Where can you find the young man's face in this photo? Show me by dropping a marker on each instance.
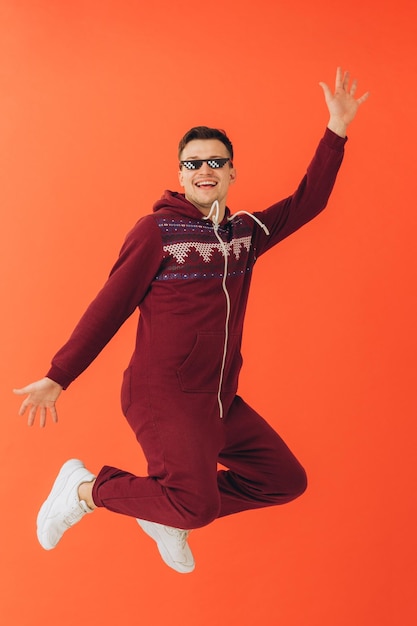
(205, 185)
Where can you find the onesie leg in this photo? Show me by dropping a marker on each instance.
(181, 448)
(262, 470)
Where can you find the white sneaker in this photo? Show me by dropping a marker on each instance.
(172, 545)
(62, 508)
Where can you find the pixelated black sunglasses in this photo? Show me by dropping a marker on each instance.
(195, 164)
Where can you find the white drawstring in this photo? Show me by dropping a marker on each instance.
(214, 214)
(257, 220)
(214, 207)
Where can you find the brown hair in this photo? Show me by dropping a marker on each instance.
(204, 132)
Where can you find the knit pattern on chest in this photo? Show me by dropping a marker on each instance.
(191, 249)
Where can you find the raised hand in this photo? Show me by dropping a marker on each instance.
(341, 103)
(41, 395)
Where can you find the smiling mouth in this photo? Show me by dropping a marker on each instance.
(206, 184)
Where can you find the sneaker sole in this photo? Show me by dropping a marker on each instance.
(152, 531)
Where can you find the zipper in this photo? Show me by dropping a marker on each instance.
(214, 216)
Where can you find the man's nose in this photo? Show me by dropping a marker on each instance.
(205, 168)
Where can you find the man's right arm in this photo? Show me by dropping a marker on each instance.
(129, 281)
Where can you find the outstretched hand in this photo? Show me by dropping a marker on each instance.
(341, 103)
(41, 395)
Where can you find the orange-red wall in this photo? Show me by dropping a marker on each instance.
(93, 99)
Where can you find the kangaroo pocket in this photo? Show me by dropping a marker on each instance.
(200, 372)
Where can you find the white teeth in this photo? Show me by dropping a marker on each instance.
(206, 182)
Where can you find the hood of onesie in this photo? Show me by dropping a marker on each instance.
(177, 202)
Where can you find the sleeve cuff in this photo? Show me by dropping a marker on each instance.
(334, 141)
(59, 376)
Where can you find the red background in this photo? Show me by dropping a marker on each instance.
(94, 97)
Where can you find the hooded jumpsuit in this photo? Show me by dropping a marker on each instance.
(179, 391)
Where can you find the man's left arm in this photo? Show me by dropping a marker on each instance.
(285, 217)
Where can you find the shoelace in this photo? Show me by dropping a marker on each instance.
(180, 535)
(75, 514)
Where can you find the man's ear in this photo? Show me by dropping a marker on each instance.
(180, 177)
